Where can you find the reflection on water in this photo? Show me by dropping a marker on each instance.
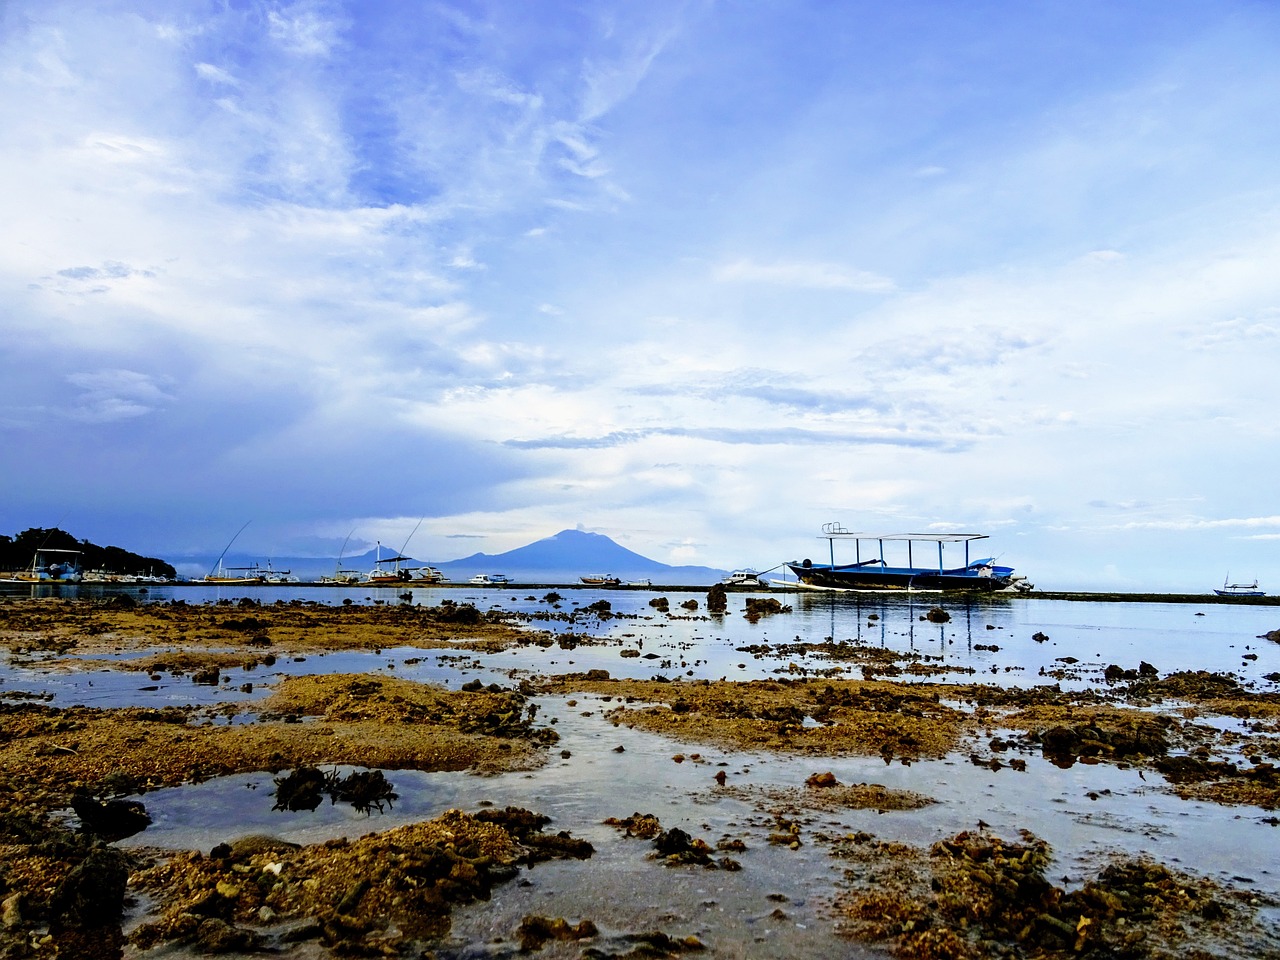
(988, 640)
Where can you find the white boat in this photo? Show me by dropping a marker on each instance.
(428, 575)
(1239, 589)
(744, 578)
(489, 579)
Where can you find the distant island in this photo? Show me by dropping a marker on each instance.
(17, 553)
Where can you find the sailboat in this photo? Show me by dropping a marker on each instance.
(230, 576)
(342, 577)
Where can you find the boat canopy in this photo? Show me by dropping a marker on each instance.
(831, 531)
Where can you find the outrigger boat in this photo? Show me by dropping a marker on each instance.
(393, 574)
(232, 576)
(235, 576)
(1240, 589)
(50, 565)
(601, 580)
(875, 573)
(429, 575)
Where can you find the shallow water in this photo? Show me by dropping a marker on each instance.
(622, 889)
(1172, 637)
(1085, 812)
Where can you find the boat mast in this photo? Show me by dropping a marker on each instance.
(218, 565)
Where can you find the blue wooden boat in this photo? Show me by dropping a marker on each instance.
(1239, 589)
(874, 572)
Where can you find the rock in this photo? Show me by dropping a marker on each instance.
(1039, 637)
(535, 931)
(717, 599)
(1060, 742)
(92, 894)
(827, 779)
(110, 819)
(218, 936)
(938, 615)
(11, 911)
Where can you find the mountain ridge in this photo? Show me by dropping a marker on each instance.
(560, 558)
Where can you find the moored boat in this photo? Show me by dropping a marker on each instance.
(50, 565)
(601, 580)
(395, 573)
(744, 578)
(489, 579)
(1239, 589)
(876, 573)
(234, 576)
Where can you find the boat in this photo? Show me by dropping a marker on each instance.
(875, 573)
(234, 576)
(342, 577)
(640, 583)
(50, 565)
(428, 575)
(743, 578)
(601, 580)
(489, 579)
(1240, 589)
(396, 573)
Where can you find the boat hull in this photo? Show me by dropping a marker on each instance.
(976, 578)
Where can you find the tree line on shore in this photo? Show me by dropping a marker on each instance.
(17, 552)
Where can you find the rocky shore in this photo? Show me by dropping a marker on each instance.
(74, 782)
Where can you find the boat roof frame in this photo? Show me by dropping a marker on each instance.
(842, 534)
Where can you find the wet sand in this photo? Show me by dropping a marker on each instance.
(1202, 737)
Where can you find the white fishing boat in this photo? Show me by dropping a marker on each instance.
(490, 579)
(744, 578)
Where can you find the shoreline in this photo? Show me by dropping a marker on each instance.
(942, 596)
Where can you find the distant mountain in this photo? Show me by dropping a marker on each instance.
(561, 558)
(570, 554)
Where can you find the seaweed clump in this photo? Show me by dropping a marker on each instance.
(977, 895)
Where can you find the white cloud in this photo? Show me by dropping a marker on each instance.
(303, 28)
(215, 74)
(821, 276)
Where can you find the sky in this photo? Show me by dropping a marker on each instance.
(700, 276)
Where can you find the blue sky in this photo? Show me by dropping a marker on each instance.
(700, 276)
